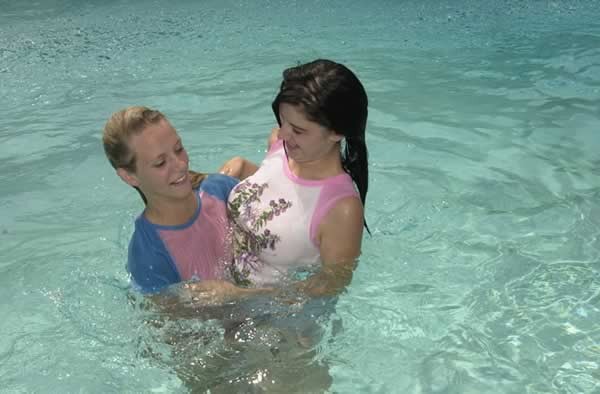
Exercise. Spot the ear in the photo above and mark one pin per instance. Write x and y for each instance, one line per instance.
(335, 137)
(128, 177)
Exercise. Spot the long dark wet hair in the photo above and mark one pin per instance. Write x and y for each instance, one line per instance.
(332, 96)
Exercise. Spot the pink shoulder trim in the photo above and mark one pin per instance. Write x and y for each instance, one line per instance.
(330, 195)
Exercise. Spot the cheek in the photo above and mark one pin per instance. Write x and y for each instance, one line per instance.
(315, 142)
(156, 175)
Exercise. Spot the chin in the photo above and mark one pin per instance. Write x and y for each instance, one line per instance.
(183, 191)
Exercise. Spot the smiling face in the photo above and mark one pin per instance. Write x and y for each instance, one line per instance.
(161, 164)
(305, 140)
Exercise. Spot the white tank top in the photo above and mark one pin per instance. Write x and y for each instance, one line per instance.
(276, 216)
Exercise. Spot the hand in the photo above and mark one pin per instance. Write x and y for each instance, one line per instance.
(216, 292)
(238, 167)
(233, 167)
(210, 292)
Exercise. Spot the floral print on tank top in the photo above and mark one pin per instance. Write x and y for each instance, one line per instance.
(249, 243)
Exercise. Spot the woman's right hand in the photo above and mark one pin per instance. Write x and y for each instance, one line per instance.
(238, 167)
(215, 292)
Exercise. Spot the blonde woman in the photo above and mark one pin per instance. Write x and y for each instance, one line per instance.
(182, 233)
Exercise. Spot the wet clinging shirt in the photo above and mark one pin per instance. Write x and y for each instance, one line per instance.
(276, 217)
(160, 256)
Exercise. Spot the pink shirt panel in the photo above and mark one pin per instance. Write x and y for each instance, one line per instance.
(201, 251)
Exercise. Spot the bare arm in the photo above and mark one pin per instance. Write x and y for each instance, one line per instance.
(238, 167)
(195, 299)
(220, 291)
(340, 236)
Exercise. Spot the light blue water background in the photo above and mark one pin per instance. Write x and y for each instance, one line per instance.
(483, 271)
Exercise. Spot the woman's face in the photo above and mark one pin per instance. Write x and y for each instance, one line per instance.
(161, 163)
(304, 140)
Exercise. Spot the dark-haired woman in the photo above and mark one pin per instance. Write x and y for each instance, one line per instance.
(302, 210)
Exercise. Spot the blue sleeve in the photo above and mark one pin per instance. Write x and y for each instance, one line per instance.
(149, 263)
(219, 185)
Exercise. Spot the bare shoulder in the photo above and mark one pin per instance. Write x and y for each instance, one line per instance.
(340, 232)
(347, 210)
(346, 215)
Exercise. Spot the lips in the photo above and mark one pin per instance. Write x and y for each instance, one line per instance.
(180, 180)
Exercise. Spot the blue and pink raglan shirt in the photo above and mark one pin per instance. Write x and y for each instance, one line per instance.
(160, 256)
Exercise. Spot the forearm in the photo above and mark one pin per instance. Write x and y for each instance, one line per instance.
(242, 292)
(188, 299)
(329, 281)
(174, 303)
(216, 292)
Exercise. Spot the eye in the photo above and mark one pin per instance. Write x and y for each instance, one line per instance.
(296, 131)
(159, 164)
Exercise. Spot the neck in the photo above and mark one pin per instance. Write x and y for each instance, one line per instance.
(171, 213)
(321, 168)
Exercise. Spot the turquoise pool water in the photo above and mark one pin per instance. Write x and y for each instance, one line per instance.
(483, 271)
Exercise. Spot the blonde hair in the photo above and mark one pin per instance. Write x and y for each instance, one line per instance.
(121, 126)
(124, 124)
